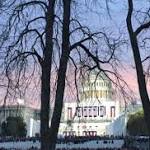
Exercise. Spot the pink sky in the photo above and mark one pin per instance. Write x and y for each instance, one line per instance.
(128, 75)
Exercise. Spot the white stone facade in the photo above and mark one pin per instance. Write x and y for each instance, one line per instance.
(97, 113)
(96, 110)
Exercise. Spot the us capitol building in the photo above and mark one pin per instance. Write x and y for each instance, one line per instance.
(96, 113)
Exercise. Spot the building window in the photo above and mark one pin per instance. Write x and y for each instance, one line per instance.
(79, 111)
(90, 111)
(85, 113)
(69, 113)
(112, 111)
(92, 133)
(89, 133)
(84, 133)
(95, 111)
(102, 111)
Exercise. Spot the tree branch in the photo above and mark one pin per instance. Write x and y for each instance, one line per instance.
(142, 27)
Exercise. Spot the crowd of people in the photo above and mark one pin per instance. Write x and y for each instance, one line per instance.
(17, 139)
(80, 140)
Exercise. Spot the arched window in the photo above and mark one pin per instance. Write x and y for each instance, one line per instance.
(90, 111)
(85, 112)
(102, 111)
(79, 111)
(112, 111)
(69, 114)
(95, 111)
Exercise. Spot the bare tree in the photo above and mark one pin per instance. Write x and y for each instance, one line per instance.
(61, 73)
(133, 34)
(41, 36)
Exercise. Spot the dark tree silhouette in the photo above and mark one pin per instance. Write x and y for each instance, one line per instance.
(14, 126)
(133, 34)
(44, 36)
(136, 125)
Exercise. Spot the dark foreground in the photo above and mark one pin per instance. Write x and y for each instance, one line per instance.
(98, 143)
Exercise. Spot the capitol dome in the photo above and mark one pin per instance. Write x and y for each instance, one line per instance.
(96, 86)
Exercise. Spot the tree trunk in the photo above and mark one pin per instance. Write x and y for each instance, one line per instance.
(61, 75)
(45, 78)
(139, 68)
